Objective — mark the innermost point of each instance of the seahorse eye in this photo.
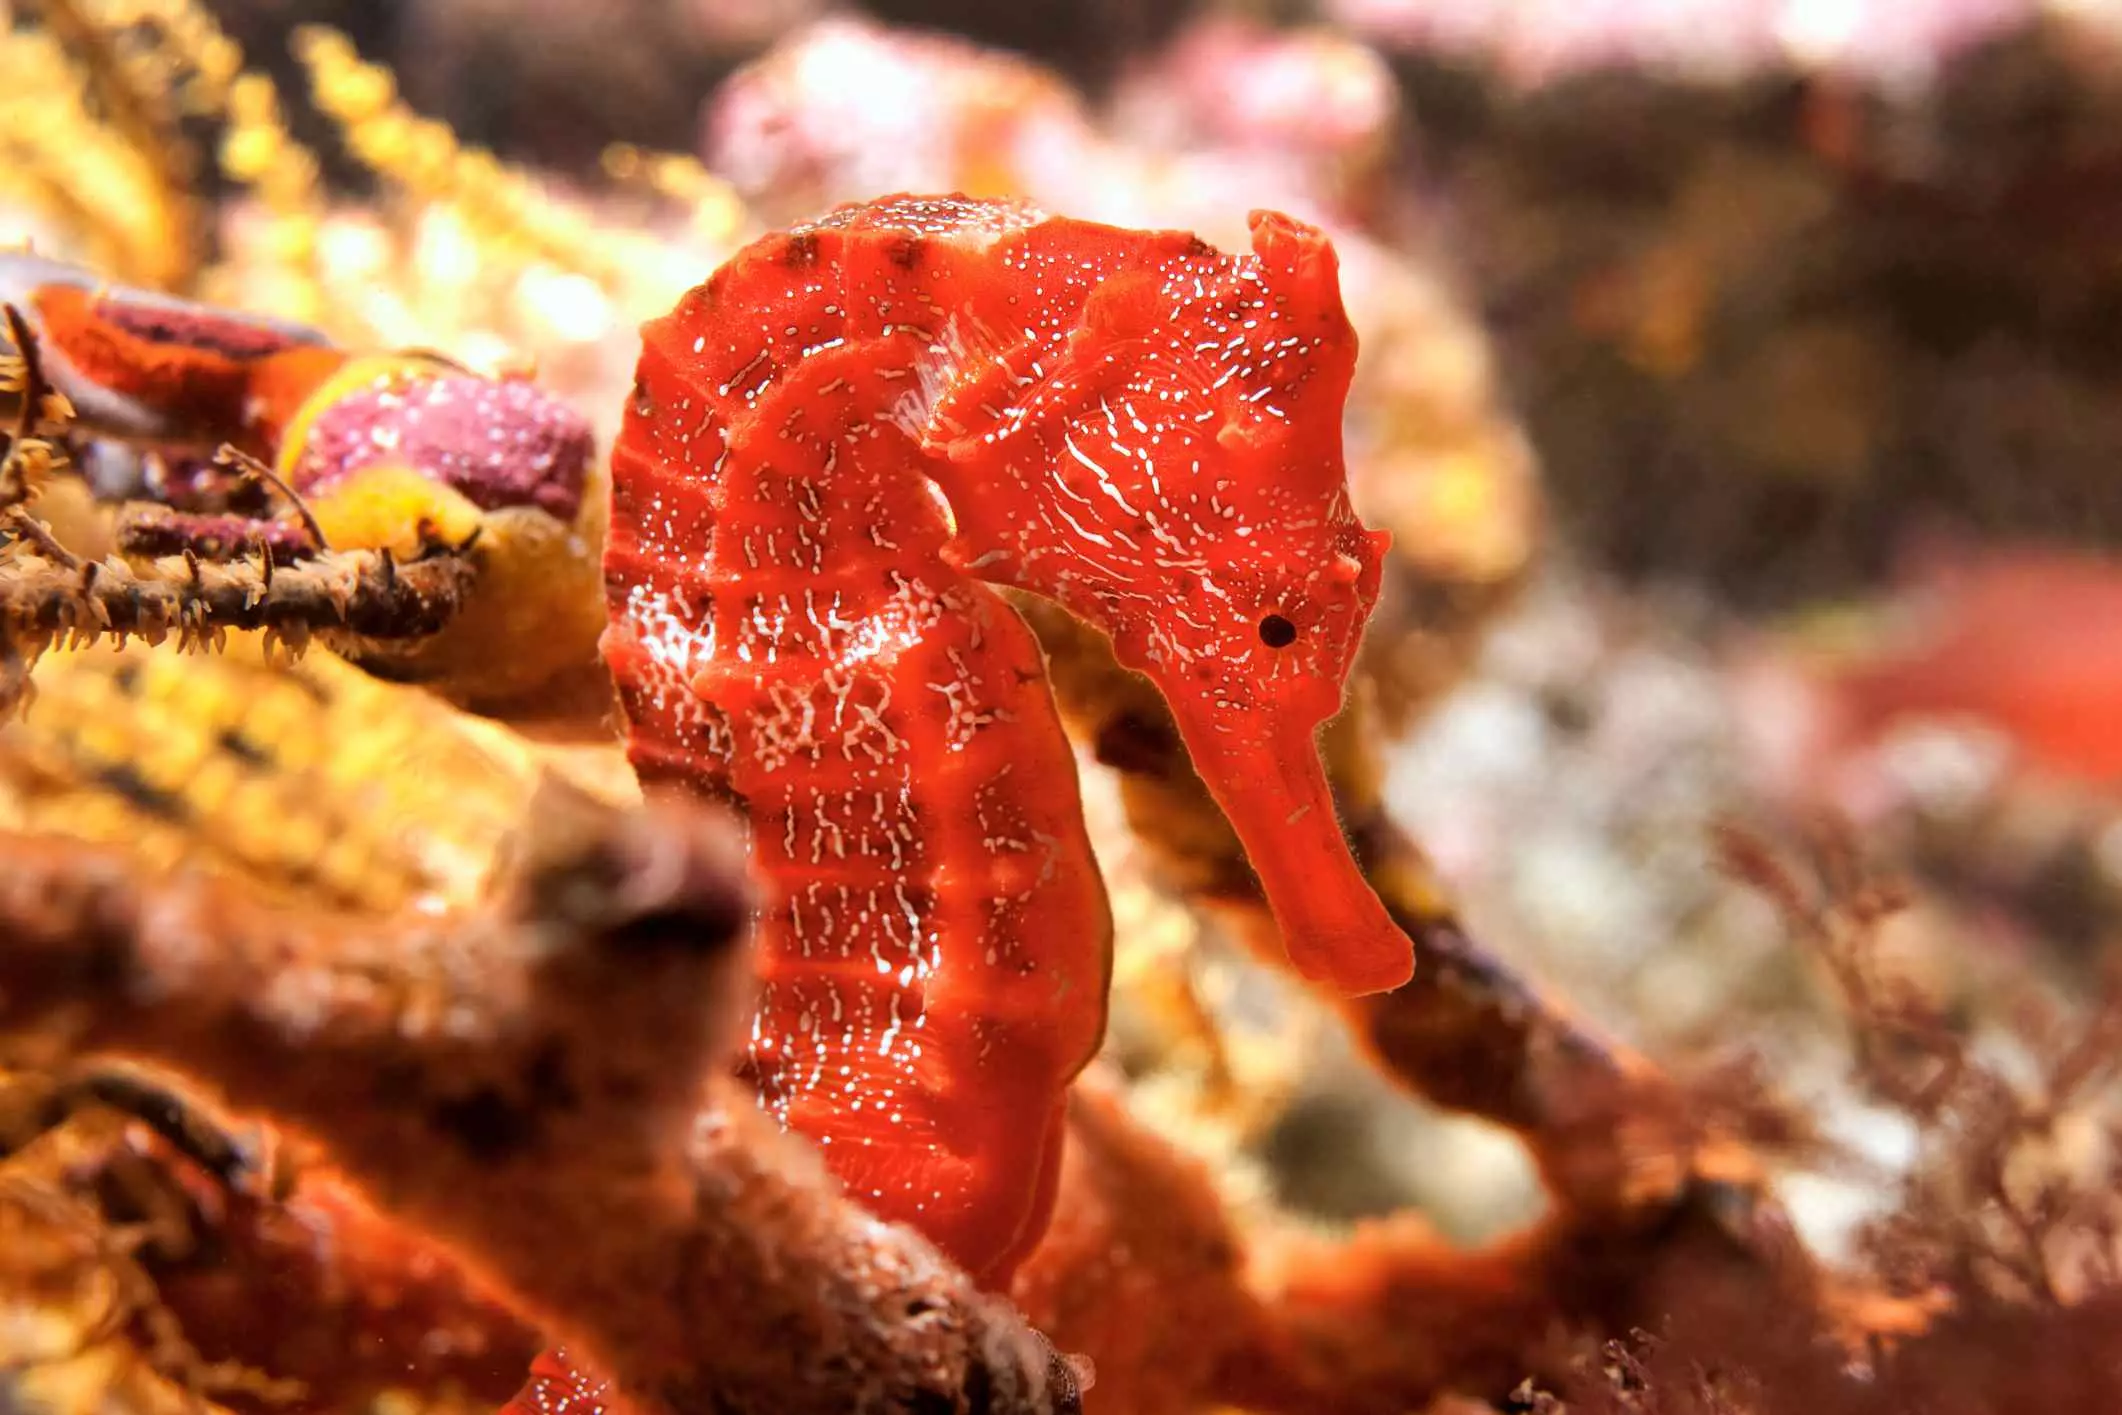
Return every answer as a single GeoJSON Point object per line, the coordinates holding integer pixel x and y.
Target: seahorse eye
{"type": "Point", "coordinates": [1277, 632]}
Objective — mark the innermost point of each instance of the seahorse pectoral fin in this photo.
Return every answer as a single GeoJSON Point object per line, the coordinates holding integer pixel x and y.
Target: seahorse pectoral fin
{"type": "Point", "coordinates": [1332, 922]}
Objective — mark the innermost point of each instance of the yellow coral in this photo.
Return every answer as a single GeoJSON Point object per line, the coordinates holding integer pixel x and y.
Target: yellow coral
{"type": "Point", "coordinates": [314, 778]}
{"type": "Point", "coordinates": [73, 180]}
{"type": "Point", "coordinates": [508, 210]}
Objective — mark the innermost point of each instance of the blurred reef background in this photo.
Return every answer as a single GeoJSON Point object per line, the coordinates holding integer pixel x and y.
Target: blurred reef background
{"type": "Point", "coordinates": [1741, 381]}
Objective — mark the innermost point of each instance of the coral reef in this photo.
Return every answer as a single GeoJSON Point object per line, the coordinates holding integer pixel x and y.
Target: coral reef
{"type": "Point", "coordinates": [399, 999]}
{"type": "Point", "coordinates": [468, 1077]}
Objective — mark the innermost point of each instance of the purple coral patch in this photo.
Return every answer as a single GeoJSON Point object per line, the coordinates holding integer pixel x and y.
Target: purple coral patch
{"type": "Point", "coordinates": [501, 442]}
{"type": "Point", "coordinates": [215, 537]}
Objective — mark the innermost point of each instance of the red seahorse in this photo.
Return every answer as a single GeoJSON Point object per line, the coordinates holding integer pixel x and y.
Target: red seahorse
{"type": "Point", "coordinates": [831, 446]}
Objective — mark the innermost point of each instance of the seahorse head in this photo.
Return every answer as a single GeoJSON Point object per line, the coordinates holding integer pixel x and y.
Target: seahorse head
{"type": "Point", "coordinates": [1173, 474]}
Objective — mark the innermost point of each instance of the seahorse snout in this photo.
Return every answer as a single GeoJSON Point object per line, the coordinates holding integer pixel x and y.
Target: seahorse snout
{"type": "Point", "coordinates": [1276, 795]}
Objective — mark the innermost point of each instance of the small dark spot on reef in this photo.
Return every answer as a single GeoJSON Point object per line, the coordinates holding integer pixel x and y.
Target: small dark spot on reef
{"type": "Point", "coordinates": [687, 1392]}
{"type": "Point", "coordinates": [1132, 743]}
{"type": "Point", "coordinates": [701, 921]}
{"type": "Point", "coordinates": [1571, 713]}
{"type": "Point", "coordinates": [107, 968]}
{"type": "Point", "coordinates": [546, 1078]}
{"type": "Point", "coordinates": [397, 1082]}
{"type": "Point", "coordinates": [312, 686]}
{"type": "Point", "coordinates": [1372, 836]}
{"type": "Point", "coordinates": [979, 1390]}
{"type": "Point", "coordinates": [800, 249]}
{"type": "Point", "coordinates": [124, 780]}
{"type": "Point", "coordinates": [494, 1125]}
{"type": "Point", "coordinates": [488, 1125]}
{"type": "Point", "coordinates": [243, 747]}
{"type": "Point", "coordinates": [1196, 248]}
